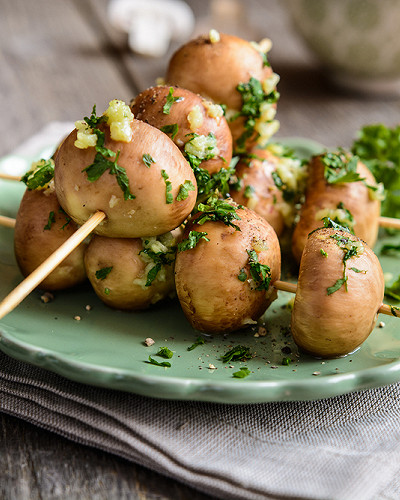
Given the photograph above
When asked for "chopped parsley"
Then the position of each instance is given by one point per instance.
(208, 184)
(286, 361)
(148, 160)
(323, 253)
(261, 273)
(184, 189)
(160, 259)
(217, 210)
(67, 217)
(102, 161)
(238, 353)
(164, 352)
(170, 100)
(192, 240)
(51, 220)
(350, 248)
(253, 96)
(102, 273)
(356, 270)
(242, 276)
(242, 373)
(107, 291)
(249, 191)
(198, 342)
(40, 176)
(165, 364)
(393, 310)
(171, 130)
(168, 188)
(340, 168)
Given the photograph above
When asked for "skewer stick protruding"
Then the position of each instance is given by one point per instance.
(284, 286)
(389, 222)
(7, 221)
(9, 177)
(32, 281)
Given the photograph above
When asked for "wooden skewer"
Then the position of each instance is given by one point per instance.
(9, 177)
(389, 222)
(7, 221)
(284, 286)
(32, 281)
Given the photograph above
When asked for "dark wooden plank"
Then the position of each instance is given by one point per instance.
(36, 464)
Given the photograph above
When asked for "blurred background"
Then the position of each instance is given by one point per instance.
(58, 58)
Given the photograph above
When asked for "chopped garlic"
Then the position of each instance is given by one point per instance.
(195, 118)
(202, 146)
(266, 130)
(260, 245)
(213, 110)
(270, 83)
(338, 214)
(113, 201)
(85, 138)
(120, 118)
(214, 36)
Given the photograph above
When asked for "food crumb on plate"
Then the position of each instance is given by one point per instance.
(149, 341)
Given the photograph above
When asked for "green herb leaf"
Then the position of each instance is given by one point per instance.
(148, 160)
(253, 96)
(51, 220)
(339, 283)
(168, 188)
(164, 352)
(67, 217)
(199, 341)
(192, 240)
(286, 361)
(171, 130)
(323, 253)
(42, 174)
(165, 364)
(238, 353)
(218, 210)
(102, 273)
(249, 192)
(242, 276)
(242, 373)
(95, 120)
(107, 291)
(160, 259)
(184, 189)
(170, 99)
(261, 273)
(358, 270)
(339, 168)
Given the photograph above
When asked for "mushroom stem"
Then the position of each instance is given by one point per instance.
(284, 286)
(34, 279)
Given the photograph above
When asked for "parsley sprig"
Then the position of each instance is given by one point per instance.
(192, 240)
(102, 273)
(261, 273)
(217, 210)
(160, 259)
(237, 353)
(378, 146)
(198, 342)
(40, 176)
(170, 100)
(103, 158)
(253, 96)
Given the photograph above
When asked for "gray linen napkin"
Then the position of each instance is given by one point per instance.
(346, 447)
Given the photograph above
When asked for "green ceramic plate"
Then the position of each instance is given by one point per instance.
(106, 347)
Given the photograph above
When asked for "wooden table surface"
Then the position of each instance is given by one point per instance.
(57, 59)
